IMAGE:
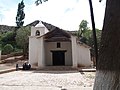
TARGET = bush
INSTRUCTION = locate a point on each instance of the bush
(8, 37)
(0, 46)
(7, 49)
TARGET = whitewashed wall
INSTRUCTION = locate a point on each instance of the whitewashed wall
(80, 54)
(83, 54)
(40, 53)
(42, 30)
(33, 54)
(35, 45)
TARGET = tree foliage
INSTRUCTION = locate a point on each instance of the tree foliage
(7, 38)
(20, 14)
(82, 28)
(85, 35)
(0, 46)
(90, 40)
(37, 2)
(8, 48)
(89, 37)
(22, 38)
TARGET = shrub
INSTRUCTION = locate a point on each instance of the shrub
(8, 37)
(7, 49)
(0, 46)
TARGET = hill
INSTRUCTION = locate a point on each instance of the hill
(5, 28)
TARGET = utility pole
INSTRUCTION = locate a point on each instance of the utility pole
(94, 30)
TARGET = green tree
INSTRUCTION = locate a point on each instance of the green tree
(89, 35)
(90, 40)
(8, 48)
(0, 46)
(22, 38)
(8, 38)
(82, 28)
(20, 14)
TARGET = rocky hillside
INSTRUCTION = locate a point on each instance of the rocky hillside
(5, 28)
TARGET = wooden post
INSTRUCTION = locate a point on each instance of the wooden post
(94, 31)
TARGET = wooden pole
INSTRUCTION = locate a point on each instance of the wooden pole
(94, 30)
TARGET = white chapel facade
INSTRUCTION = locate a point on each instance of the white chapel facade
(56, 47)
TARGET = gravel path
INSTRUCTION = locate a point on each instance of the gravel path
(56, 79)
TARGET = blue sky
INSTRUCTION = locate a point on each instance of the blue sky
(66, 14)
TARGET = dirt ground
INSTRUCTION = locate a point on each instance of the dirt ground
(50, 79)
(11, 62)
(43, 79)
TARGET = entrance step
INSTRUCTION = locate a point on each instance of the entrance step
(58, 68)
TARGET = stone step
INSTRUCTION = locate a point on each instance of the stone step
(60, 68)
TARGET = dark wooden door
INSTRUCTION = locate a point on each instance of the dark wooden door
(58, 58)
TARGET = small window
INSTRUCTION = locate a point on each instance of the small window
(37, 33)
(58, 45)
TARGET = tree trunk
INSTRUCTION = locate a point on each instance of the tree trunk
(107, 80)
(108, 65)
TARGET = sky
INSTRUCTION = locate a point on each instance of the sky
(66, 14)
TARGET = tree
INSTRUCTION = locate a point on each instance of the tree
(8, 38)
(20, 14)
(37, 2)
(90, 40)
(8, 48)
(86, 35)
(82, 28)
(22, 38)
(108, 67)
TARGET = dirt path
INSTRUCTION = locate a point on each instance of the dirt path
(11, 62)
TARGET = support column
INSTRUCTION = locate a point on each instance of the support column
(74, 52)
(41, 56)
(33, 60)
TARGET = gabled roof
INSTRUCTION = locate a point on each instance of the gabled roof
(50, 27)
(56, 32)
(33, 23)
(57, 35)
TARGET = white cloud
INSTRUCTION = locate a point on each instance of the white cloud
(9, 17)
(66, 14)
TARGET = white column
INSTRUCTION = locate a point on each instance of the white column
(33, 59)
(41, 56)
(74, 51)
